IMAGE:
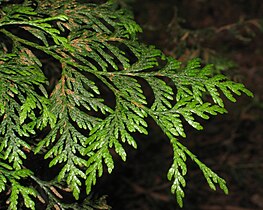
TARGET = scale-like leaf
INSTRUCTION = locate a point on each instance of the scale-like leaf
(104, 83)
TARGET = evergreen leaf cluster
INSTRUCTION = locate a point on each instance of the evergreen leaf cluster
(73, 89)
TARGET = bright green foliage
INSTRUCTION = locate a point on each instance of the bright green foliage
(10, 177)
(97, 51)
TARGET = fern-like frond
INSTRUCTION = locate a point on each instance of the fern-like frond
(11, 177)
(177, 172)
(19, 100)
(194, 81)
(98, 56)
(107, 134)
(26, 192)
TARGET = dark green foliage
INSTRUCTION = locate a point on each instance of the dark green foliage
(68, 118)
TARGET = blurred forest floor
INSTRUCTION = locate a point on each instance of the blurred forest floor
(226, 33)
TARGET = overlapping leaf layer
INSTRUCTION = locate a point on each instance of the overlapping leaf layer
(95, 99)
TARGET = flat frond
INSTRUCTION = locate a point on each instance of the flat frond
(104, 85)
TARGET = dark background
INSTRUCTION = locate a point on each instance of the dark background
(227, 33)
